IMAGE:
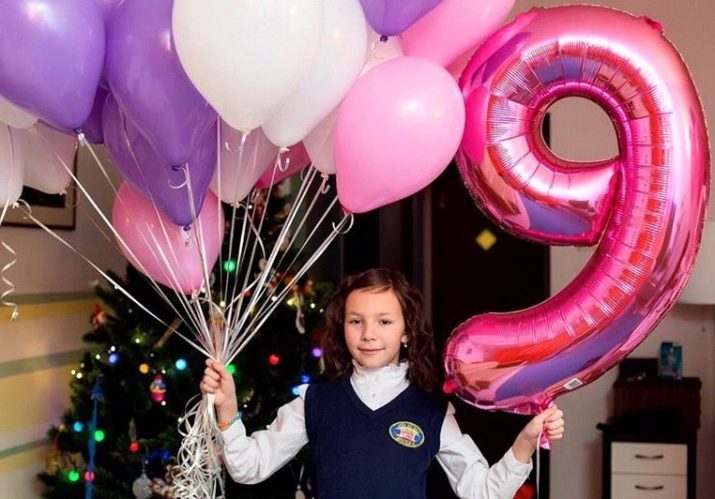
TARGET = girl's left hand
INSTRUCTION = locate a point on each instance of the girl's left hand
(551, 422)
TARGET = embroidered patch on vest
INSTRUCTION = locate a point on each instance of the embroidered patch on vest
(407, 434)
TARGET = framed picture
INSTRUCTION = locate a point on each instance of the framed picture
(56, 211)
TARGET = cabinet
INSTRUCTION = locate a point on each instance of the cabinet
(649, 445)
(648, 466)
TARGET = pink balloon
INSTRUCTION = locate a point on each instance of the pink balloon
(397, 130)
(452, 28)
(164, 251)
(295, 159)
(644, 208)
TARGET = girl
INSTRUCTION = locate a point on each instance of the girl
(378, 422)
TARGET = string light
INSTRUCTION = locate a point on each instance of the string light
(113, 358)
(97, 356)
(78, 426)
(295, 390)
(73, 476)
(230, 266)
(317, 352)
(144, 368)
(99, 435)
(274, 359)
(181, 364)
(305, 378)
(134, 447)
(88, 476)
(79, 375)
(231, 369)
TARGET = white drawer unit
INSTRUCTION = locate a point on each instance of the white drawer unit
(628, 486)
(649, 458)
(652, 467)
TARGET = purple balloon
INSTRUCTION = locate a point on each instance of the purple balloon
(107, 7)
(150, 84)
(392, 17)
(51, 55)
(147, 172)
(92, 128)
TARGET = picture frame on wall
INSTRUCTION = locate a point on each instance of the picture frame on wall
(57, 211)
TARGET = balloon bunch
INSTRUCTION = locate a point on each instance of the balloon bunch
(203, 109)
(205, 106)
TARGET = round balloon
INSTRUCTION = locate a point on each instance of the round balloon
(452, 28)
(239, 170)
(51, 57)
(48, 158)
(392, 17)
(169, 254)
(92, 128)
(246, 57)
(11, 168)
(153, 176)
(12, 115)
(337, 64)
(644, 208)
(397, 130)
(319, 142)
(148, 81)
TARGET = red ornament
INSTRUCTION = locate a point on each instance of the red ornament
(274, 359)
(99, 318)
(134, 447)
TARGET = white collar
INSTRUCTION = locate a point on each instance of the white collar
(391, 374)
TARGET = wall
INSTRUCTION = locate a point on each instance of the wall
(582, 132)
(39, 349)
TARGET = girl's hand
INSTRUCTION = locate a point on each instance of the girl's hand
(219, 382)
(551, 422)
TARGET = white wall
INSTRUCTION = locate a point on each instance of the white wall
(38, 351)
(581, 131)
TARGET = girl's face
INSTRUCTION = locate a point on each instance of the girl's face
(374, 327)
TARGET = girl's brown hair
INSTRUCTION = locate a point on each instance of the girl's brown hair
(421, 352)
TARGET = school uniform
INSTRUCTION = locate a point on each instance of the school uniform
(372, 436)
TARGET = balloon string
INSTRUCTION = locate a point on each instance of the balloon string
(538, 465)
(10, 286)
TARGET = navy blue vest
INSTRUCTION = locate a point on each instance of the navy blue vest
(359, 453)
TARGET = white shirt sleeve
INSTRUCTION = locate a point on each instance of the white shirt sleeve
(252, 459)
(468, 471)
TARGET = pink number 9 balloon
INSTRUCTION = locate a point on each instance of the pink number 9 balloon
(645, 208)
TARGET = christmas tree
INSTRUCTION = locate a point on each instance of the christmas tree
(132, 386)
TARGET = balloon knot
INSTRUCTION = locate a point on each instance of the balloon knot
(383, 38)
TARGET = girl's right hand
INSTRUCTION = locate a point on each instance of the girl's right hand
(219, 382)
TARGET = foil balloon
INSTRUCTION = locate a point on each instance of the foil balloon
(644, 208)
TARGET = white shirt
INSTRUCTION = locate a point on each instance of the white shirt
(252, 459)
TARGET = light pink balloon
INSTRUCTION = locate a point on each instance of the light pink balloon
(296, 158)
(644, 208)
(452, 28)
(397, 130)
(164, 251)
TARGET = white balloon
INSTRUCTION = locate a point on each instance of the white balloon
(15, 116)
(246, 56)
(337, 64)
(319, 142)
(240, 172)
(11, 164)
(45, 150)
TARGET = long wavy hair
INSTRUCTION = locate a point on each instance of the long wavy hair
(424, 369)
